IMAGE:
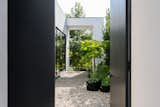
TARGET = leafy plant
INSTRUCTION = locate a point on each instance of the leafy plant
(60, 51)
(93, 80)
(105, 81)
(106, 38)
(91, 49)
(93, 84)
(93, 77)
(106, 31)
(102, 71)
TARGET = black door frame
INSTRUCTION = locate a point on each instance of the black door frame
(128, 44)
(121, 63)
(11, 51)
(31, 30)
(128, 53)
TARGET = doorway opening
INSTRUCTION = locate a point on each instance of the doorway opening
(82, 55)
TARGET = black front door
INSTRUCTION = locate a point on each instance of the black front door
(31, 53)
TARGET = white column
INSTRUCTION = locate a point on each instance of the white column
(67, 50)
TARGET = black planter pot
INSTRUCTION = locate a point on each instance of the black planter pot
(93, 86)
(105, 88)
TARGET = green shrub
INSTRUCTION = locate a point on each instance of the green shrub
(100, 74)
(105, 81)
(93, 80)
(93, 84)
(93, 77)
(102, 71)
(71, 69)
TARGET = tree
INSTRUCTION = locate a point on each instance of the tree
(91, 49)
(76, 36)
(77, 11)
(106, 38)
(106, 32)
(76, 60)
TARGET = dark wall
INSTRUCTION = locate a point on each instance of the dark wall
(31, 53)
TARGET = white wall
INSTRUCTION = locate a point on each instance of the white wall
(60, 16)
(145, 53)
(3, 53)
(96, 24)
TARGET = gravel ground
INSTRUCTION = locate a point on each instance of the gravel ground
(71, 92)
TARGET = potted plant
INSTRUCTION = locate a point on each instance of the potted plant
(93, 84)
(102, 71)
(105, 84)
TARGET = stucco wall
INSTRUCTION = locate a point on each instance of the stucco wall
(3, 53)
(145, 53)
(60, 16)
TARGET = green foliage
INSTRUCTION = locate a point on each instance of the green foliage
(102, 71)
(93, 78)
(77, 11)
(71, 69)
(94, 75)
(75, 51)
(76, 58)
(91, 49)
(105, 81)
(85, 64)
(101, 74)
(60, 51)
(106, 38)
(106, 32)
(106, 44)
(77, 61)
(106, 47)
(86, 35)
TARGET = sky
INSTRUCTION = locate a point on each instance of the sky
(92, 8)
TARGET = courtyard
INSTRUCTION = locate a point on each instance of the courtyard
(71, 92)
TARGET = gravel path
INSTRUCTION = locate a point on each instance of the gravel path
(71, 92)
